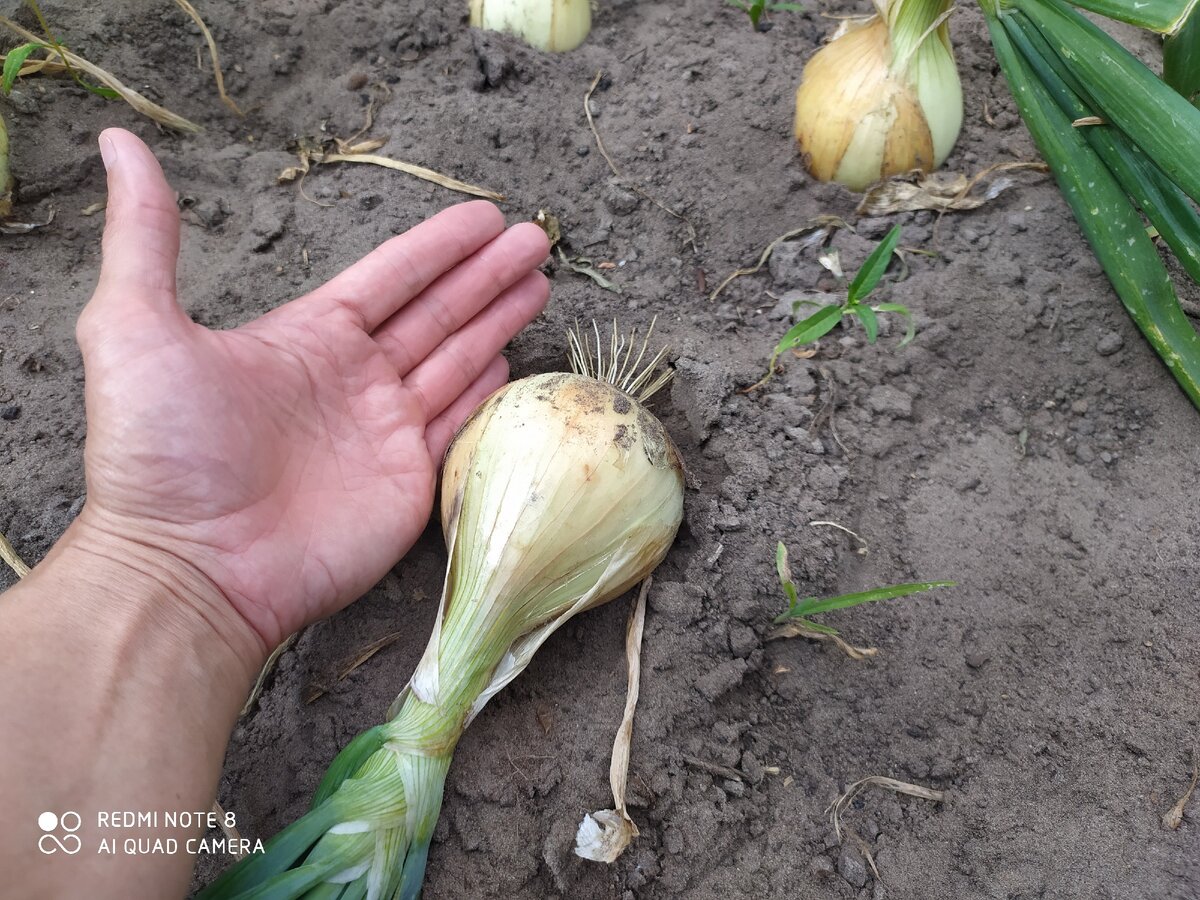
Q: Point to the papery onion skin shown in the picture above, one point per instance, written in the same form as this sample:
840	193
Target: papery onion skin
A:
555	26
620	460
861	115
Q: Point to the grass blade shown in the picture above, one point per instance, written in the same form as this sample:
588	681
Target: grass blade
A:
869	320
1107	218
872	270
810	606
6	182
13	61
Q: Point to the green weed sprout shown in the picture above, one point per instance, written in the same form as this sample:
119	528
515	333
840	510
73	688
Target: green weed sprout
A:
800	609
820	323
755	8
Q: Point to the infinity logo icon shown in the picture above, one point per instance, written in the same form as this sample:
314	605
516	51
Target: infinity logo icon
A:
50	842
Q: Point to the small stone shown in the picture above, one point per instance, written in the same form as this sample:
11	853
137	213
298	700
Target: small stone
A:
1084	453
621	202
873	228
721	679
891	401
1079	407
852	868
977	660
267	225
742	640
821	868
10	413
733	787
356	81
1110	342
752	767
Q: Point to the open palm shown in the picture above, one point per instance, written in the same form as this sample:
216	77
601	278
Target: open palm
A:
291	460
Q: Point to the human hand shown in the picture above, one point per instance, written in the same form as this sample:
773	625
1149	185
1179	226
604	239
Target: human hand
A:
288	463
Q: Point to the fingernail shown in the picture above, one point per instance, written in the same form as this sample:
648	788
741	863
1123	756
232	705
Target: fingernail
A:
108	151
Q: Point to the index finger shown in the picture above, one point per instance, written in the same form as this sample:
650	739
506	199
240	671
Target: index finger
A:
401	268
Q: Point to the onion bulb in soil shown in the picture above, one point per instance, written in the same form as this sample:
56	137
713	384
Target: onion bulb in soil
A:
883	97
559	493
552	25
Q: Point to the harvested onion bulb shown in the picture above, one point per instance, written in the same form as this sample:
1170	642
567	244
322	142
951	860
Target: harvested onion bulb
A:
552	25
558	494
882	98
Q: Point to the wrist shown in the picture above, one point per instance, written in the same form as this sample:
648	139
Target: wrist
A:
123	581
131	669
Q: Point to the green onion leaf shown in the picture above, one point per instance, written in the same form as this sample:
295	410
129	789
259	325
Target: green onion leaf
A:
1164	204
1163	16
348	762
1181	59
1124	92
1107	218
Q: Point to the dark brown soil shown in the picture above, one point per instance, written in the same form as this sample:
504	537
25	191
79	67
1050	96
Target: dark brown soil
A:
1027	444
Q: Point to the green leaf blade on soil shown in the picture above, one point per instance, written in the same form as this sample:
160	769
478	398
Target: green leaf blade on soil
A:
13	60
813	328
869	320
872	270
1107	218
811	606
910	324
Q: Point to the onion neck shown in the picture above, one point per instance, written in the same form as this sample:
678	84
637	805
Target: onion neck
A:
910	24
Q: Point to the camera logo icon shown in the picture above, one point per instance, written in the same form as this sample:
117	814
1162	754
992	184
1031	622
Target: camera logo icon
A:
60	833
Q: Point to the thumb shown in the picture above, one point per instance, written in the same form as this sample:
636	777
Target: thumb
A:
141	233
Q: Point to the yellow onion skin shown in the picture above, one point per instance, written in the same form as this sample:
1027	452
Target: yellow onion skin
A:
561	482
555	26
859	119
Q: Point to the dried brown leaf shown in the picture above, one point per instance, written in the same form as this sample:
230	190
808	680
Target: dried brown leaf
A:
316	690
212	54
1173	817
817	230
798	629
268	666
10	556
940	191
421	172
151	110
838	806
604	835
